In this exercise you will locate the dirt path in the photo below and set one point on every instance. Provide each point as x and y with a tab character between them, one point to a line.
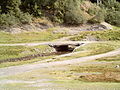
28	67
53	42
47	43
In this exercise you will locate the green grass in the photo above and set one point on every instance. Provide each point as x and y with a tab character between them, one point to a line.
108	59
98	48
8	64
78	85
90	72
101	72
96	68
28	37
7	52
107	35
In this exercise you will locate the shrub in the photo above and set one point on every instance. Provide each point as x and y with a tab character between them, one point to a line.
8	19
68	11
11	13
113	11
99	17
10	6
74	17
111	5
93	10
31	7
113	18
25	18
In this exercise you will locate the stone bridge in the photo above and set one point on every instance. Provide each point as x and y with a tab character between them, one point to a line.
65	46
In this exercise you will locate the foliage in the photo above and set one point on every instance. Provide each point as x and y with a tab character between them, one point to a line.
93	10
10	19
31	7
74	17
99	17
11	13
25	18
61	11
10	6
111	5
113	11
109	12
68	11
36	7
113	18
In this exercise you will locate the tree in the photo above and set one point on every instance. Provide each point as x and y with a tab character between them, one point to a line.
10	6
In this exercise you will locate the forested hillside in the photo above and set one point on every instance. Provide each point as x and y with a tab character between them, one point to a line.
72	12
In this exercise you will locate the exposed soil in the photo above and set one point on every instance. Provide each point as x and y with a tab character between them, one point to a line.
104	77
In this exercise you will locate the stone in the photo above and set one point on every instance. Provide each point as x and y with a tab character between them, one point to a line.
15	30
106	25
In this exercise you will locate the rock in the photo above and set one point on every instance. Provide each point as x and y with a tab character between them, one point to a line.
15	30
107	26
117	66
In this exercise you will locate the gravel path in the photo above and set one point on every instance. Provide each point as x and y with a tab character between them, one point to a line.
28	67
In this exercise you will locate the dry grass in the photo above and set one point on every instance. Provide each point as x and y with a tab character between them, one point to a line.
27	37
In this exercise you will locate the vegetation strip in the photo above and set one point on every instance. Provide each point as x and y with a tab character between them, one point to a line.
29	57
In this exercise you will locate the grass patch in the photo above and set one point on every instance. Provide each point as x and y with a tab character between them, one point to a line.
28	37
78	85
73	56
98	48
7	64
108	59
90	73
107	35
96	68
101	73
7	52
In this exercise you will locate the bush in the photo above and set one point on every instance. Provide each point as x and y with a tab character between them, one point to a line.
113	12
68	11
111	5
99	17
25	18
74	17
93	10
8	19
113	18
